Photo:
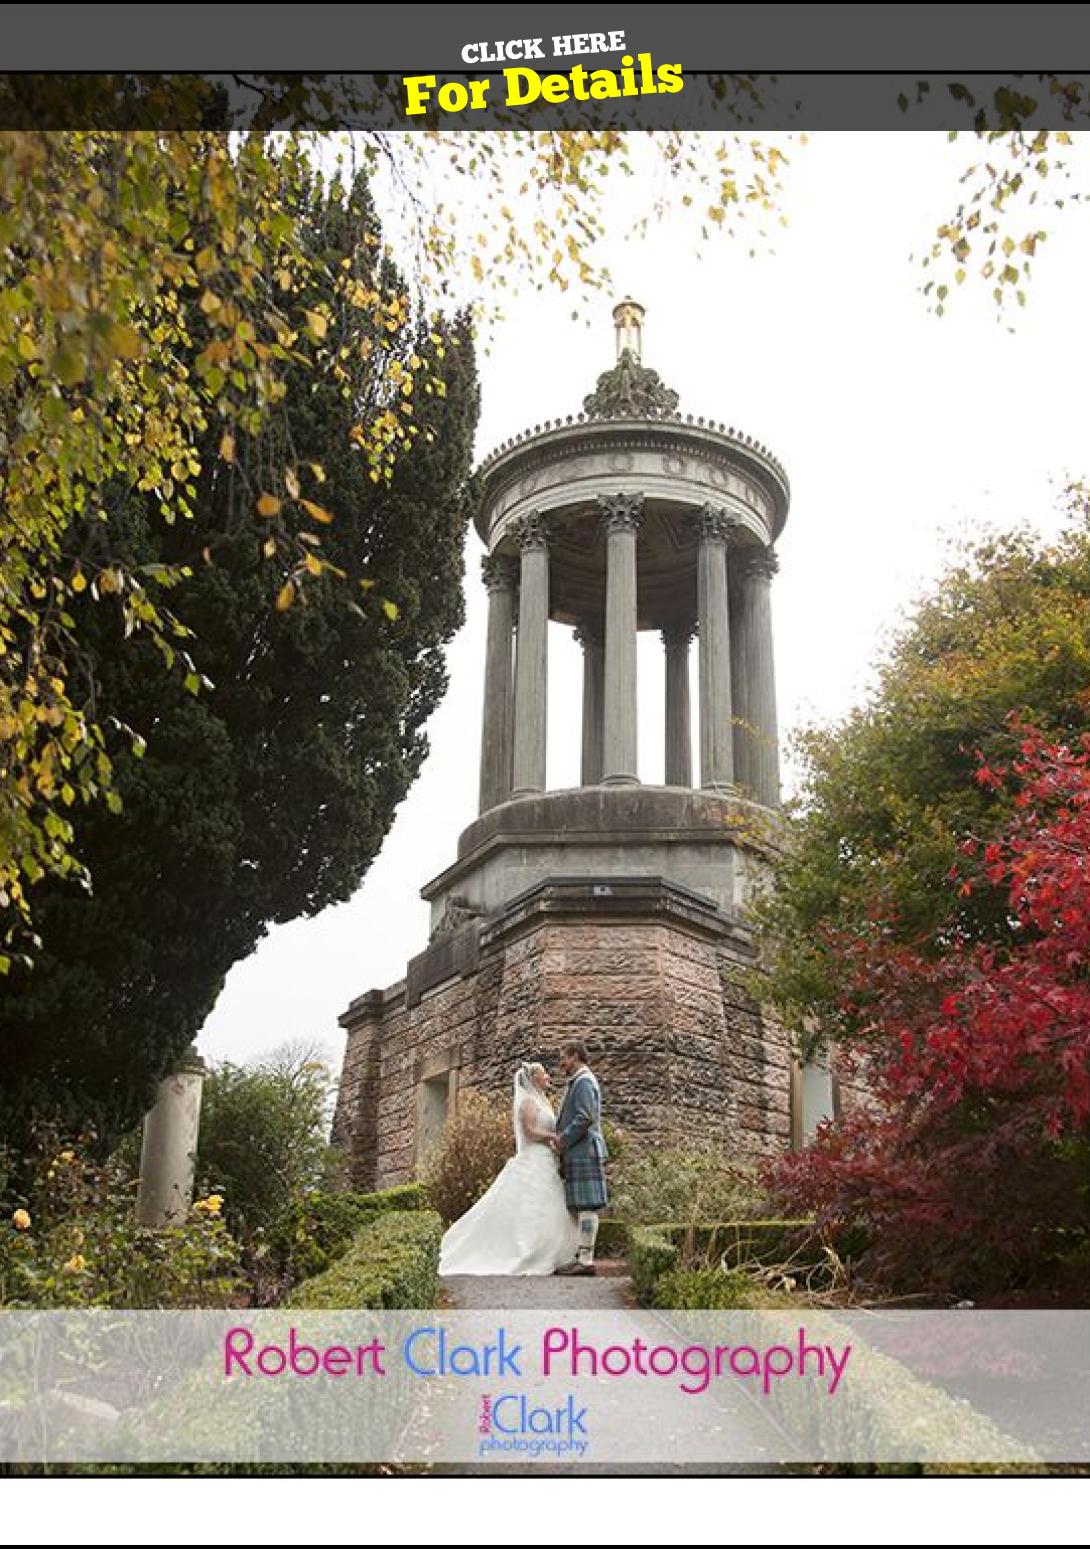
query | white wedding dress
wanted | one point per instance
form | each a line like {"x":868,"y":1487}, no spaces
{"x":521,"y":1225}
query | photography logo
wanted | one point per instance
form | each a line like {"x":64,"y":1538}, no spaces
{"x":512,"y":1424}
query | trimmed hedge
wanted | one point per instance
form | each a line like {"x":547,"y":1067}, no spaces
{"x":612,"y":1240}
{"x":652,"y":1253}
{"x":392,"y":1262}
{"x":319,"y":1226}
{"x":884,"y":1390}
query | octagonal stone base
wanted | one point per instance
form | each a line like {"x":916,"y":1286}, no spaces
{"x":712,"y":843}
{"x":654,"y":976}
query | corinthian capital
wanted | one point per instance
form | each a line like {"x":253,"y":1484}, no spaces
{"x":589,"y":635}
{"x":713,"y":524}
{"x":677,"y":635}
{"x":499,"y":572}
{"x":532,"y":531}
{"x":620,"y":513}
{"x":762,"y":563}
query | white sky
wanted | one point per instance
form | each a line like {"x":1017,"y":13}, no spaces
{"x":899,"y":432}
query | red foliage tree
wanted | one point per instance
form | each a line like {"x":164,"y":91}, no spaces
{"x":971,"y":1167}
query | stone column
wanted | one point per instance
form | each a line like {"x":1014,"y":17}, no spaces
{"x":168,"y":1156}
{"x":621,"y":517}
{"x":591,"y":639}
{"x":497,"y":724}
{"x":739,"y":671}
{"x":679,"y":739}
{"x":716,"y":753}
{"x":532,"y":659}
{"x":763,"y":739}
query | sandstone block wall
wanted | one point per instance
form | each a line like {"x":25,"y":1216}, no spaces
{"x":658,"y":986}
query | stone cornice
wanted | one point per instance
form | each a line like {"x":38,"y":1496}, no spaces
{"x":558,"y":441}
{"x":637,"y":432}
{"x":616,"y":898}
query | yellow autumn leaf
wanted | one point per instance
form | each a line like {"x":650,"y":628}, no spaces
{"x":319,"y":513}
{"x":227,"y":447}
{"x":285,"y":597}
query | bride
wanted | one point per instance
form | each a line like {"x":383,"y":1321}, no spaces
{"x":522,"y":1225}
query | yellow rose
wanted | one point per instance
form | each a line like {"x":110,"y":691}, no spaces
{"x":76,"y":1264}
{"x":21,"y":1220}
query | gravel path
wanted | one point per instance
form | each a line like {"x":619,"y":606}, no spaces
{"x":610,"y":1290}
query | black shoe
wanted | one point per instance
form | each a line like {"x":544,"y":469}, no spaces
{"x":576,"y":1267}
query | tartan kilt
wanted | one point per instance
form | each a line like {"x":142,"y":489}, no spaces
{"x":585,"y":1178}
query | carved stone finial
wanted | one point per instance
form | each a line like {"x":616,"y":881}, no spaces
{"x":621,"y":512}
{"x":630,"y":390}
{"x":628,"y":327}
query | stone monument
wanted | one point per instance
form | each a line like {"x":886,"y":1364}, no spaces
{"x":615,"y":911}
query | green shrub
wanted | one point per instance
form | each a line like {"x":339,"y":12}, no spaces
{"x":392,"y":1262}
{"x":674,"y":1184}
{"x":319,"y":1225}
{"x":693,"y":1289}
{"x":264,"y":1135}
{"x":476,"y":1142}
{"x":790,"y":1245}
{"x":792,"y":1241}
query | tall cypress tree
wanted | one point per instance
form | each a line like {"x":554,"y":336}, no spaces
{"x":267,"y":796}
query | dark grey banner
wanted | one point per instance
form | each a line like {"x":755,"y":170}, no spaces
{"x":761,"y":39}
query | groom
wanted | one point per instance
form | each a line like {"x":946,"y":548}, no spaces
{"x":582,"y":1151}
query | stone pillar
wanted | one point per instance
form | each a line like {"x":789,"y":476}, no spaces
{"x":532,"y":659}
{"x":621,"y":517}
{"x":763,"y":738}
{"x":591,"y":639}
{"x":355,"y":1120}
{"x":739,"y":672}
{"x":713,"y":609}
{"x":497,"y":724}
{"x":168,"y":1157}
{"x":679,"y":739}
